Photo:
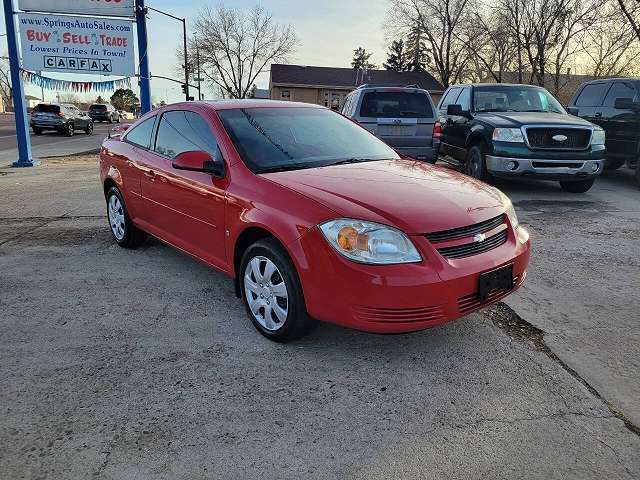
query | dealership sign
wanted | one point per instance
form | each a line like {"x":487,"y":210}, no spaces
{"x":112,"y":8}
{"x":57,"y":43}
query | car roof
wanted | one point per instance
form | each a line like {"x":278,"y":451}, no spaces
{"x":388,"y":88}
{"x":237,"y":104}
{"x":620,"y":79}
{"x":497,"y":85}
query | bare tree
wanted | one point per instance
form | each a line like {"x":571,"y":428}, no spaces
{"x":631,"y":11}
{"x":441,"y":22}
{"x":611,"y":47}
{"x":491,"y":45}
{"x":5,"y":83}
{"x":235,"y":47}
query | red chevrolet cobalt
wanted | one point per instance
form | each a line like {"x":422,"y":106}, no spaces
{"x":312,"y":216}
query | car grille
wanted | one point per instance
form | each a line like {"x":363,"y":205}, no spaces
{"x":542,"y":137}
{"x":399,"y":315}
{"x":469,"y":303}
{"x":463,"y":232}
{"x":474,"y":248}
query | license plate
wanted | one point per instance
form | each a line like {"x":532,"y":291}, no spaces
{"x":499,"y":279}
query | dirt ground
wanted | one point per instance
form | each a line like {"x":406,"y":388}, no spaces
{"x":141,"y":364}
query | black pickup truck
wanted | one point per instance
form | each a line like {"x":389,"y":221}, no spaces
{"x":506,"y":130}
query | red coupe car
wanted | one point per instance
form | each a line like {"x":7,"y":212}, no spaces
{"x":313,"y":216}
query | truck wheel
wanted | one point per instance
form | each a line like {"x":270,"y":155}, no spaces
{"x":476,"y":165}
{"x":580,"y":186}
{"x":613,"y":164}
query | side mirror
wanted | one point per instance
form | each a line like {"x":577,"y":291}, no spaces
{"x":626,"y":104}
{"x":573,"y":111}
{"x":456,"y":111}
{"x":198,"y":161}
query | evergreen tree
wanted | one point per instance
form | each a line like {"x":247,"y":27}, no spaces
{"x":361,"y":59}
{"x":416,"y":51}
{"x":396,"y":58}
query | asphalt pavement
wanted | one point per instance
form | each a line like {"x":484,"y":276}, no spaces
{"x":142,"y":364}
{"x":50,"y":144}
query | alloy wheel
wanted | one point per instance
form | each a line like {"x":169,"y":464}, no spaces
{"x":116,"y":217}
{"x":266,"y":293}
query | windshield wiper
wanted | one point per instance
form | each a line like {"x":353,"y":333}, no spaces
{"x":347,"y":161}
{"x":285,"y":168}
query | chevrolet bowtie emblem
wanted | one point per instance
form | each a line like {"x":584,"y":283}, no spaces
{"x":479,"y":238}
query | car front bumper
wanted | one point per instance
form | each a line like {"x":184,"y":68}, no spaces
{"x":401,"y":298}
{"x":551,"y":169}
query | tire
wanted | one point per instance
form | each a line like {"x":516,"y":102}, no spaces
{"x":475,"y":165}
{"x":124,"y":232}
{"x":110,"y":121}
{"x":69,"y":131}
{"x":89,"y":129}
{"x":580,"y":186}
{"x":613,"y":164}
{"x":287,"y":315}
{"x":638,"y":172}
{"x":37,"y":131}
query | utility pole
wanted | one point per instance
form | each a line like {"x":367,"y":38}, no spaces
{"x":199,"y":77}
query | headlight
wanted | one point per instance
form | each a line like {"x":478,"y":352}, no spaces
{"x":368,"y":242}
{"x":598,"y":137}
{"x":511,"y":213}
{"x":512,"y":135}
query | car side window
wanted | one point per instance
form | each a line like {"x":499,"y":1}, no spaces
{"x":619,"y":90}
{"x":449,"y":98}
{"x":592,"y":95}
{"x":140,"y":135}
{"x":464,"y":99}
{"x":183,"y":131}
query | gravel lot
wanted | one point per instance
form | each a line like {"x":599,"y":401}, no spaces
{"x":142,"y":364}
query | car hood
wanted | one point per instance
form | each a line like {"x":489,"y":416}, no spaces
{"x":413,"y":196}
{"x":518,"y":119}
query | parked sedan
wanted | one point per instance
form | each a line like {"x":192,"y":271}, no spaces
{"x":64,"y":118}
{"x":312,"y":216}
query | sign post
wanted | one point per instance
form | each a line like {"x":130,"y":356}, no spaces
{"x":22,"y":128}
{"x":145,"y":75}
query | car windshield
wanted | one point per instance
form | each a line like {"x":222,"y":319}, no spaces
{"x":514,"y":99}
{"x":396,"y":104}
{"x":288,"y":138}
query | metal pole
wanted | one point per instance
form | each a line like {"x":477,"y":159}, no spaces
{"x":199,"y":77}
{"x":186,"y":60}
{"x":145,"y":75}
{"x":25,"y":158}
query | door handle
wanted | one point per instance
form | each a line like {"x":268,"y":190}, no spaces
{"x":598,"y":115}
{"x":151,"y":175}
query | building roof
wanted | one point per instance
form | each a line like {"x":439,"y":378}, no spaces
{"x":300,"y":75}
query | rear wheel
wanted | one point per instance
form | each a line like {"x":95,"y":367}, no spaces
{"x":272,"y":293}
{"x":123,"y":230}
{"x":638,"y":171}
{"x":89,"y":129}
{"x":580,"y":186}
{"x":37,"y":131}
{"x":69,"y":131}
{"x":613,"y":164}
{"x":476,"y":166}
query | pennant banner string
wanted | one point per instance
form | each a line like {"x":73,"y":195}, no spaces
{"x":69,"y":86}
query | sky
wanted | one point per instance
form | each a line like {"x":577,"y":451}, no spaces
{"x":328,"y":31}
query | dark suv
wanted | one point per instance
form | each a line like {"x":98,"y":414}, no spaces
{"x":614,"y":104}
{"x":403,"y":117}
{"x":104,"y":113}
{"x":63,"y":118}
{"x":506,"y":130}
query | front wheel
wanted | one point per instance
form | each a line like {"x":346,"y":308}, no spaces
{"x":580,"y":186}
{"x":476,"y":165}
{"x":123,"y":230}
{"x":613,"y":164}
{"x":272,"y":293}
{"x":89,"y":129}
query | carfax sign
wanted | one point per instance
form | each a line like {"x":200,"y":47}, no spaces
{"x":112,"y":8}
{"x":56,"y":43}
